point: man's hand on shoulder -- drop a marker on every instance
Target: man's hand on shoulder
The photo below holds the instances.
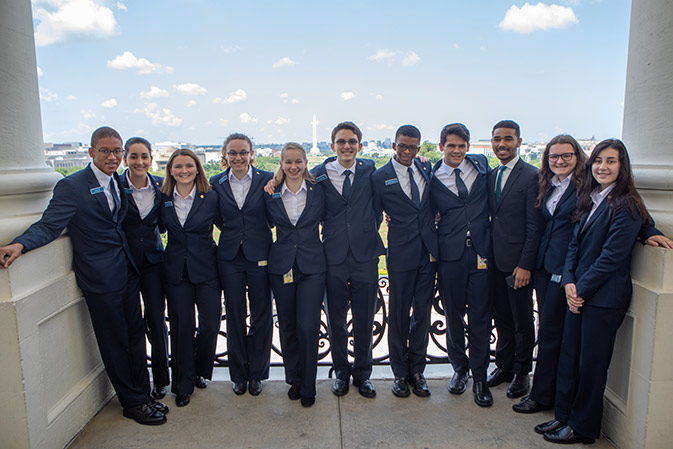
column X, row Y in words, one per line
column 270, row 186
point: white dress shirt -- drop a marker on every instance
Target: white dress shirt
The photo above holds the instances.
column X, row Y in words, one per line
column 598, row 196
column 104, row 181
column 240, row 188
column 183, row 205
column 335, row 172
column 294, row 202
column 143, row 197
column 403, row 177
column 560, row 188
column 447, row 175
column 508, row 171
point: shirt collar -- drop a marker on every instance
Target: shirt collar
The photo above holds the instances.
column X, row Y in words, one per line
column 103, row 178
column 597, row 196
column 340, row 169
column 285, row 189
column 248, row 175
column 148, row 186
column 191, row 195
column 401, row 167
column 511, row 163
column 556, row 182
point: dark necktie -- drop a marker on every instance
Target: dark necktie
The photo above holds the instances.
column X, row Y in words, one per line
column 460, row 185
column 415, row 196
column 347, row 184
column 115, row 198
column 498, row 185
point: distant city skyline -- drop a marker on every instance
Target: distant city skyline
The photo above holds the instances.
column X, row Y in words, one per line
column 197, row 71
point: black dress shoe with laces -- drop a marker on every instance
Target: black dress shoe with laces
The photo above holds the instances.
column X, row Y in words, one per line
column 365, row 388
column 239, row 388
column 420, row 385
column 400, row 387
column 144, row 414
column 549, row 426
column 566, row 435
column 519, row 386
column 156, row 405
column 340, row 387
column 482, row 395
column 527, row 405
column 200, row 382
column 458, row 383
column 158, row 392
column 255, row 387
column 307, row 401
column 499, row 376
column 294, row 393
column 181, row 400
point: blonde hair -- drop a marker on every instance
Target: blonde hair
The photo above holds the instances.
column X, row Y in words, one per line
column 202, row 185
column 279, row 174
column 234, row 136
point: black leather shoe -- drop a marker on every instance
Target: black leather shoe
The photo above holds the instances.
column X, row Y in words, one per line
column 400, row 387
column 482, row 395
column 340, row 387
column 420, row 385
column 144, row 414
column 527, row 405
column 365, row 388
column 307, row 401
column 549, row 426
column 499, row 376
column 458, row 383
column 239, row 388
column 255, row 387
column 159, row 392
column 156, row 405
column 519, row 386
column 293, row 393
column 566, row 435
column 182, row 400
column 200, row 382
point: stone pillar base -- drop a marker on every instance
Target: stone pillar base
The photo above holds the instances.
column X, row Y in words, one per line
column 52, row 380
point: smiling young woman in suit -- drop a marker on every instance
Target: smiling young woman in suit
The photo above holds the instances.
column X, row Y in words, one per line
column 297, row 268
column 188, row 211
column 242, row 254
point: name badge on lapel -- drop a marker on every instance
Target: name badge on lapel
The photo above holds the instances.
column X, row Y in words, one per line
column 129, row 191
column 482, row 264
column 222, row 179
column 96, row 190
column 288, row 278
column 168, row 204
column 276, row 195
column 556, row 278
column 262, row 263
column 321, row 178
column 392, row 181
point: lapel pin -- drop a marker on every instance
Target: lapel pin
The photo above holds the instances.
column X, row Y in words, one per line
column 202, row 196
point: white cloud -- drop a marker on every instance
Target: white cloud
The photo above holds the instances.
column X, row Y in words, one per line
column 280, row 121
column 191, row 103
column 71, row 98
column 121, row 6
column 39, row 72
column 294, row 101
column 87, row 114
column 233, row 97
column 247, row 118
column 223, row 121
column 109, row 103
column 128, row 60
column 382, row 126
column 530, row 18
column 47, row 95
column 456, row 46
column 379, row 97
column 383, row 55
column 345, row 96
column 410, row 59
column 190, row 89
column 160, row 116
column 284, row 95
column 154, row 92
column 283, row 62
column 64, row 20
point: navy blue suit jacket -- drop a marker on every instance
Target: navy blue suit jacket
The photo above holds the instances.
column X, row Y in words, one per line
column 192, row 244
column 558, row 231
column 100, row 250
column 599, row 257
column 350, row 223
column 298, row 243
column 248, row 224
column 457, row 216
column 411, row 227
column 143, row 233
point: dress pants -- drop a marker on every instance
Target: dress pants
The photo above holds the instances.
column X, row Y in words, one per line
column 586, row 351
column 192, row 352
column 298, row 305
column 118, row 325
column 465, row 289
column 154, row 300
column 354, row 283
column 513, row 313
column 552, row 306
column 407, row 332
column 249, row 350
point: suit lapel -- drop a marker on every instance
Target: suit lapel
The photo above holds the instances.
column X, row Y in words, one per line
column 199, row 198
column 278, row 202
column 254, row 181
column 602, row 209
column 397, row 186
column 226, row 186
column 99, row 197
column 309, row 200
column 129, row 193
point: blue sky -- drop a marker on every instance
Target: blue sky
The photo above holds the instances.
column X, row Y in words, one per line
column 196, row 71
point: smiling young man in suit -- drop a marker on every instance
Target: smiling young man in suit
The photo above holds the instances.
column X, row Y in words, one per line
column 459, row 194
column 89, row 202
column 401, row 189
column 516, row 226
column 352, row 249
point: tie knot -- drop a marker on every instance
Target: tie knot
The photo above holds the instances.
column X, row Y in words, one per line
column 411, row 171
column 347, row 173
column 457, row 171
column 503, row 168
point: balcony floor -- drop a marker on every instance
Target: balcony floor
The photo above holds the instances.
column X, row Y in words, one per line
column 218, row 418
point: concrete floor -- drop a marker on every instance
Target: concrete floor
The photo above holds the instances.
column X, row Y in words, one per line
column 216, row 418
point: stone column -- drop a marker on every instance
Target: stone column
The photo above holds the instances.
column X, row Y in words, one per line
column 52, row 381
column 639, row 397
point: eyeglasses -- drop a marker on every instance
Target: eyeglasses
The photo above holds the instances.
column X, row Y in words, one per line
column 233, row 154
column 342, row 142
column 567, row 157
column 105, row 151
column 403, row 147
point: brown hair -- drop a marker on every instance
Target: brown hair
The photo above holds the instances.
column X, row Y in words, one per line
column 234, row 136
column 279, row 175
column 545, row 174
column 202, row 185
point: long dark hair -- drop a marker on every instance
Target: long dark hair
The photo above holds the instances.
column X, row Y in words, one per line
column 624, row 193
column 546, row 174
